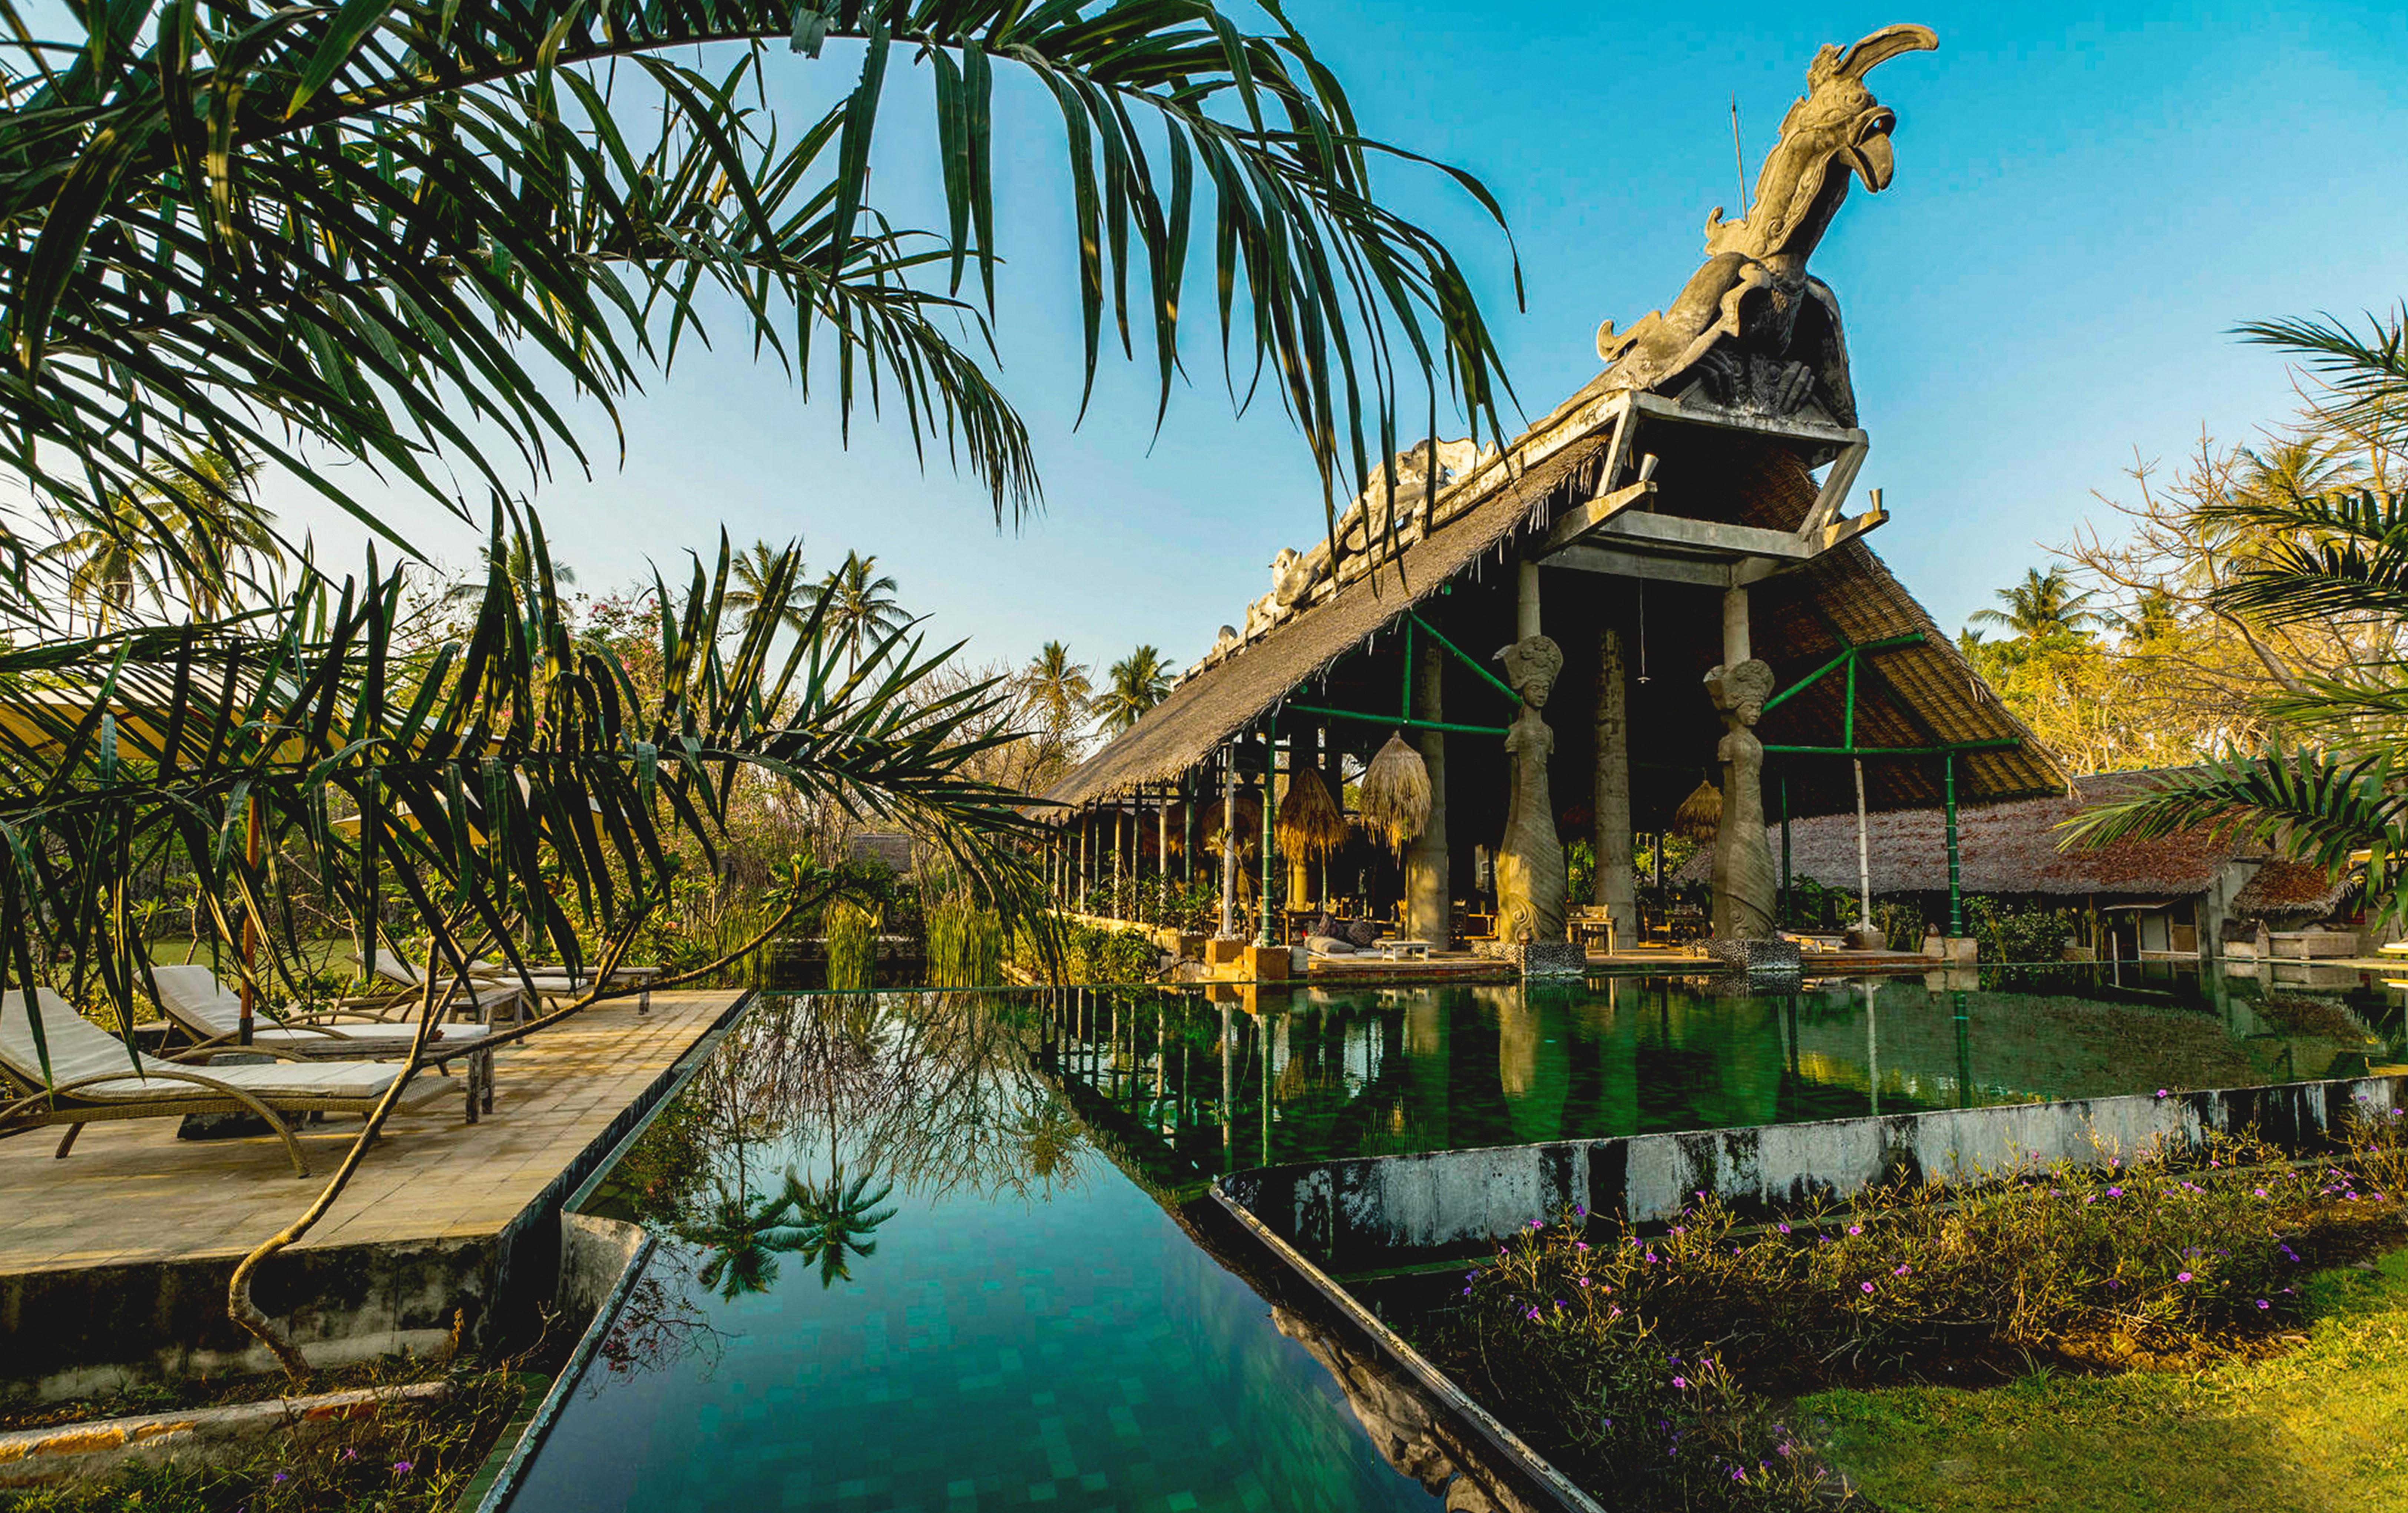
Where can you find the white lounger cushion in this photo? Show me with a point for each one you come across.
(80, 1048)
(192, 997)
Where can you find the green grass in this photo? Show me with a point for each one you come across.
(2323, 1425)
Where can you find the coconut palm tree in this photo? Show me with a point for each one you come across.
(213, 535)
(757, 592)
(861, 612)
(2042, 605)
(1140, 681)
(107, 563)
(247, 260)
(1057, 689)
(519, 568)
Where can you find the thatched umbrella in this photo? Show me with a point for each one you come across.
(1396, 793)
(1700, 815)
(1310, 822)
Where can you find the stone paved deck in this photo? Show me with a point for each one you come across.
(131, 1193)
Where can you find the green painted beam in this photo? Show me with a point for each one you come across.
(1389, 719)
(1893, 751)
(1888, 643)
(1492, 679)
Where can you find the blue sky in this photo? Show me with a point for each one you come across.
(2086, 203)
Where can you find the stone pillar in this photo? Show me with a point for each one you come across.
(1735, 641)
(1429, 891)
(1615, 888)
(1526, 603)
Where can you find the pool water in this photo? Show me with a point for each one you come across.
(1388, 1071)
(1030, 1330)
(940, 1251)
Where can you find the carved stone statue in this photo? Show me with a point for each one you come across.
(1751, 326)
(1530, 880)
(1745, 885)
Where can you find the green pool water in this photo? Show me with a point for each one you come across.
(988, 1291)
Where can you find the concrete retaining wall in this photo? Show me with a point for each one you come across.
(1390, 1210)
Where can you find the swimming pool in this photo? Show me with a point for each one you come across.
(940, 1251)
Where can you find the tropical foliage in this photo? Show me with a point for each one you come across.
(2330, 565)
(402, 229)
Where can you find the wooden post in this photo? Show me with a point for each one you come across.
(1614, 888)
(1229, 844)
(1429, 888)
(1269, 903)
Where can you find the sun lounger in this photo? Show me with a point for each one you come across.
(484, 995)
(93, 1075)
(193, 999)
(554, 982)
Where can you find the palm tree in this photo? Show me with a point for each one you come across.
(861, 610)
(237, 276)
(518, 566)
(213, 525)
(1056, 689)
(108, 561)
(2326, 791)
(1140, 681)
(755, 593)
(2042, 605)
(743, 1240)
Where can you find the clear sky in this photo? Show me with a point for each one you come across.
(2086, 203)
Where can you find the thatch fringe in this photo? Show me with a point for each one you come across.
(1396, 793)
(1700, 815)
(1309, 821)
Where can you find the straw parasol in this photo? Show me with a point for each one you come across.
(1700, 815)
(1310, 823)
(1396, 794)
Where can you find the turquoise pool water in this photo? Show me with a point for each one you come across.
(938, 1250)
(1030, 1330)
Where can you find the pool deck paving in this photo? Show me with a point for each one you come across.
(131, 1193)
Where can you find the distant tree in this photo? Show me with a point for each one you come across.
(190, 526)
(1140, 681)
(107, 563)
(1056, 689)
(754, 570)
(518, 566)
(861, 607)
(2042, 605)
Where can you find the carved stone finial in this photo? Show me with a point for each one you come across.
(1751, 326)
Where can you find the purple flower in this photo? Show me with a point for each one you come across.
(1651, 1255)
(1538, 1223)
(2181, 1277)
(1855, 1229)
(1680, 1382)
(2263, 1305)
(2161, 1092)
(280, 1478)
(401, 1468)
(1868, 1287)
(1583, 1282)
(1783, 1228)
(1580, 1245)
(1900, 1272)
(1467, 1292)
(2115, 1192)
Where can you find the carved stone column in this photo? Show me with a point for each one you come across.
(1614, 890)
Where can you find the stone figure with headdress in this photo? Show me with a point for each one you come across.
(1745, 885)
(1530, 859)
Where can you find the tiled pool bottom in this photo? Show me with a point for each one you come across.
(1010, 1342)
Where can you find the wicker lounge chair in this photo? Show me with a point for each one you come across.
(556, 982)
(197, 1003)
(93, 1075)
(484, 996)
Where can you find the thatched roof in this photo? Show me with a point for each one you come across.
(2013, 848)
(1917, 696)
(1180, 733)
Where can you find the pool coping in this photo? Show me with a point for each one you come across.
(497, 1481)
(1399, 1355)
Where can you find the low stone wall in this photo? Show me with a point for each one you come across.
(1389, 1210)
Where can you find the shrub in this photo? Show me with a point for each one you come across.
(965, 944)
(1638, 1358)
(2014, 935)
(850, 931)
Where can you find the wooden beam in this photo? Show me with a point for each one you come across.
(1584, 558)
(1835, 489)
(1581, 520)
(1705, 538)
(1667, 409)
(1841, 532)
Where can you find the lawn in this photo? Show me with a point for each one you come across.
(2323, 1425)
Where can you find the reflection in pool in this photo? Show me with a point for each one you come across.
(939, 1250)
(963, 1306)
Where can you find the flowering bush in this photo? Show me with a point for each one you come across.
(1638, 1357)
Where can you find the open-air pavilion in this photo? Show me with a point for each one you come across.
(1679, 531)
